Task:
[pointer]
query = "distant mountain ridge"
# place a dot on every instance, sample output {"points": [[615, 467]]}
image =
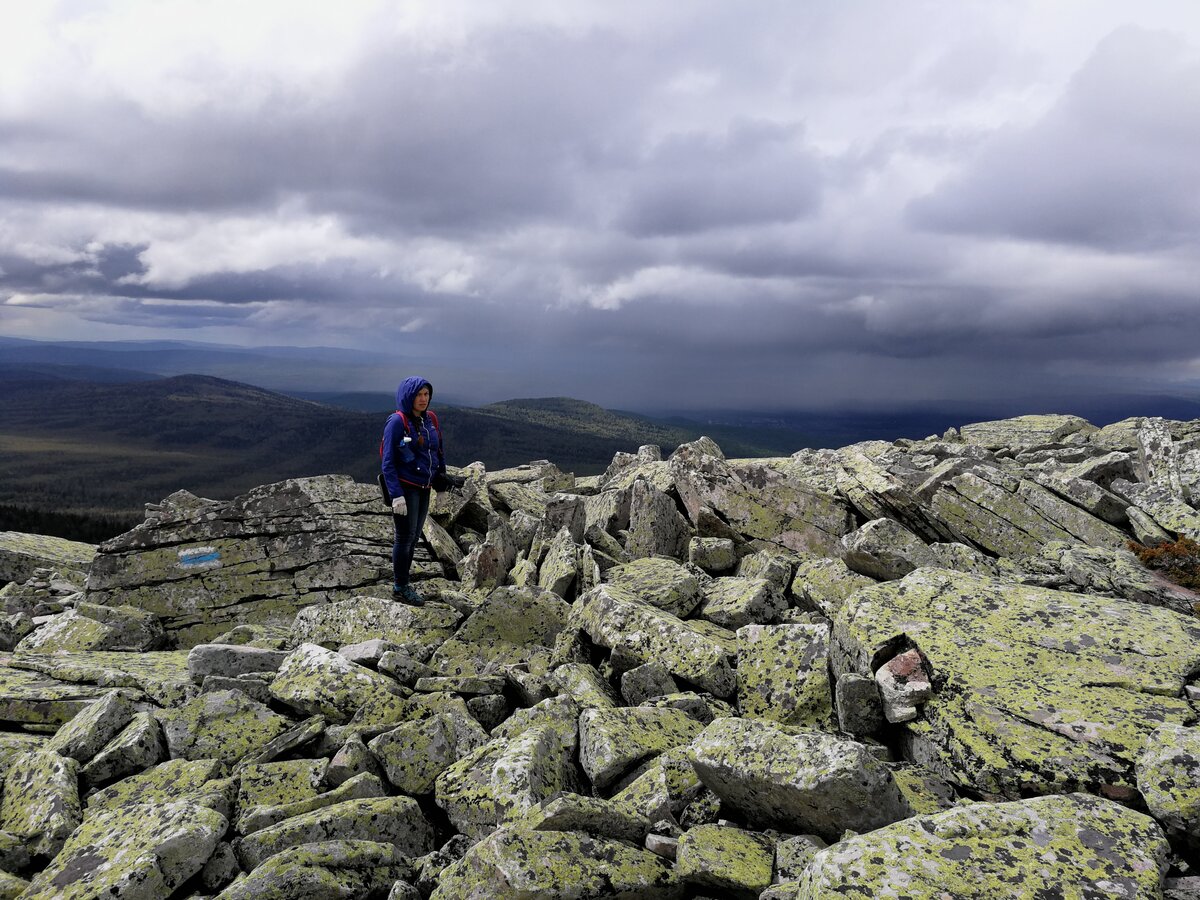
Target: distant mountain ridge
{"points": [[85, 448]]}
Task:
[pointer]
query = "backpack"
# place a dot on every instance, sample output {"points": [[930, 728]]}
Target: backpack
{"points": [[404, 421]]}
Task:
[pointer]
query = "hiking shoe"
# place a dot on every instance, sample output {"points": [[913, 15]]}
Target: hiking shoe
{"points": [[412, 597]]}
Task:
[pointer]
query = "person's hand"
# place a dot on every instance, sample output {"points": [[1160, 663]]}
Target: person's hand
{"points": [[399, 507]]}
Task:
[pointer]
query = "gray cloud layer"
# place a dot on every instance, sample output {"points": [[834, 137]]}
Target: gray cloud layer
{"points": [[779, 205]]}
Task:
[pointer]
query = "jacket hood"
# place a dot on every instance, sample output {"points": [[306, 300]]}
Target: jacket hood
{"points": [[408, 390]]}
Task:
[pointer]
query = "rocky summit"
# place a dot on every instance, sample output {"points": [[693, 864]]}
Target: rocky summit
{"points": [[919, 669]]}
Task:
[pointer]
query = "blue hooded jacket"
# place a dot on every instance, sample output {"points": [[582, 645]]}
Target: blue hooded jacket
{"points": [[413, 463]]}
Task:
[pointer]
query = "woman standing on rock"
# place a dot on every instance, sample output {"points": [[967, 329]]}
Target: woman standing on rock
{"points": [[412, 459]]}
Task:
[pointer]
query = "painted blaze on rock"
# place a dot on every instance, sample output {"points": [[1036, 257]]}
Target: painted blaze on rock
{"points": [[1037, 691]]}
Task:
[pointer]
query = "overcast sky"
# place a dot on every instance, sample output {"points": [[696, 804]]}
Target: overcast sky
{"points": [[834, 205]]}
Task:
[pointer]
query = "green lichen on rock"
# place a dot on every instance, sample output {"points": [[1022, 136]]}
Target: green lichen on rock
{"points": [[21, 553], [1025, 431], [516, 862], [87, 733], [732, 602], [318, 681], [392, 820], [41, 800], [278, 783], [1068, 846], [699, 652], [796, 780], [160, 675], [326, 869], [414, 754], [174, 779], [611, 741], [1168, 777], [590, 815], [512, 626], [503, 779], [357, 788], [730, 861], [363, 618], [225, 725], [1039, 691], [825, 583], [783, 674], [143, 850], [138, 746], [662, 791], [660, 582], [67, 632]]}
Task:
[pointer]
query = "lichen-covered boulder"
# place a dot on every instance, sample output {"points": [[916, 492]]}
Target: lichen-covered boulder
{"points": [[278, 783], [560, 565], [664, 789], [137, 747], [391, 820], [1073, 845], [759, 502], [645, 681], [204, 566], [656, 527], [885, 550], [877, 493], [660, 582], [585, 685], [713, 555], [590, 815], [732, 602], [326, 870], [335, 625], [1039, 691], [87, 733], [1097, 570], [1014, 517], [797, 781], [256, 818], [1025, 431], [783, 674], [134, 852], [231, 660], [486, 566], [503, 779], [730, 862], [159, 675], [41, 800], [824, 583], [512, 626], [611, 741], [174, 779], [225, 725], [318, 681], [556, 865], [21, 554], [695, 651], [414, 754], [1168, 777]]}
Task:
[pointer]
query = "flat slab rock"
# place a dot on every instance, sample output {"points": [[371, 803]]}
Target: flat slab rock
{"points": [[21, 553], [515, 862], [1073, 845], [1037, 691]]}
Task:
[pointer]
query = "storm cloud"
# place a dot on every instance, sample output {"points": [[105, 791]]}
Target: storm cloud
{"points": [[776, 205]]}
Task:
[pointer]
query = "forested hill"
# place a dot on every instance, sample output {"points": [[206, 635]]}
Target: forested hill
{"points": [[85, 448]]}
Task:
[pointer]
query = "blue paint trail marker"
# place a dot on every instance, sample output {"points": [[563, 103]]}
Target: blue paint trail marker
{"points": [[199, 558]]}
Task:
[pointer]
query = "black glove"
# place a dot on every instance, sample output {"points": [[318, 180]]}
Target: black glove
{"points": [[443, 482]]}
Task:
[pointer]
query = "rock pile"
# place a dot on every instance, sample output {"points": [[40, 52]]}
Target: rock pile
{"points": [[922, 669]]}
